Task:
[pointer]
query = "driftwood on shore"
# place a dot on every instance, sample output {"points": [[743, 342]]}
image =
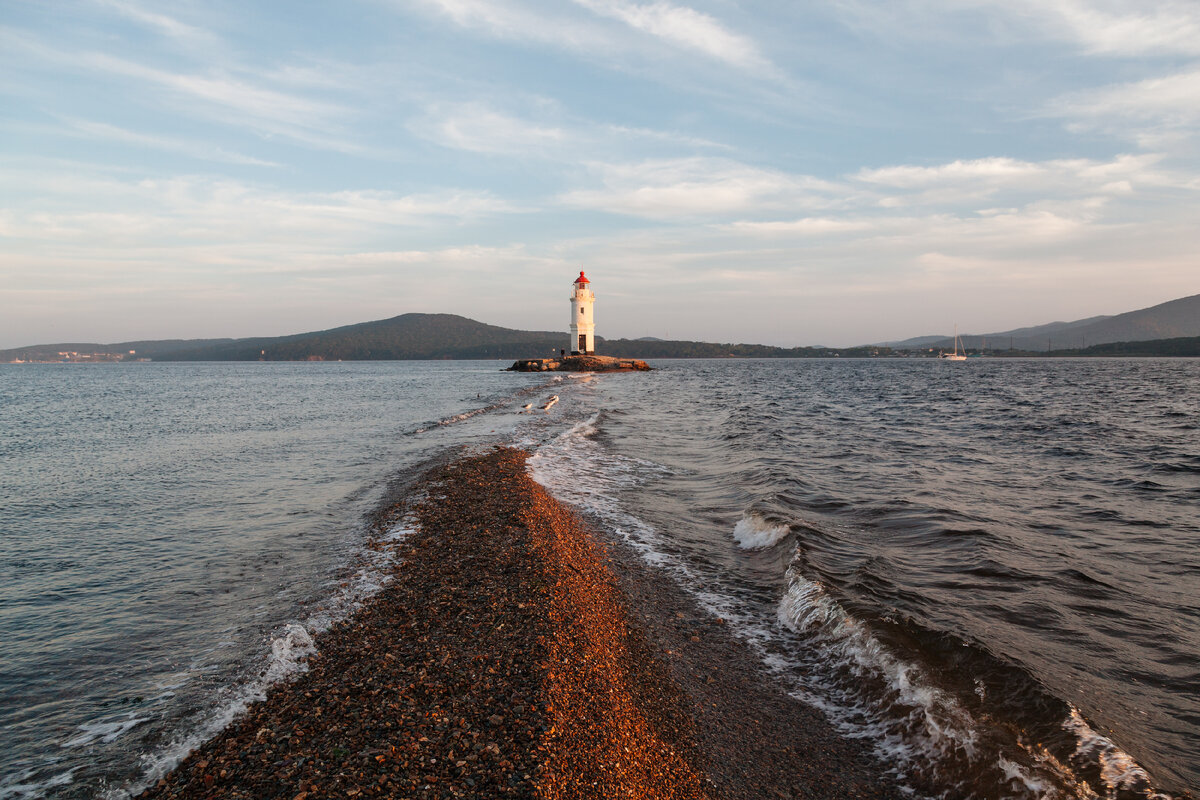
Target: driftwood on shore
{"points": [[515, 655], [579, 364]]}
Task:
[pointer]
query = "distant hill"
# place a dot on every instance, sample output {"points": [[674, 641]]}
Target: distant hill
{"points": [[1170, 320], [417, 337], [1183, 346], [406, 337], [449, 336], [660, 348], [154, 349]]}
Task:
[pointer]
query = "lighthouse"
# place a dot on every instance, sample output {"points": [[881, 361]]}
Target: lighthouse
{"points": [[583, 324]]}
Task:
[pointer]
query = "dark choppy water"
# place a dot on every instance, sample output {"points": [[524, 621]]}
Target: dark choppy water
{"points": [[989, 569]]}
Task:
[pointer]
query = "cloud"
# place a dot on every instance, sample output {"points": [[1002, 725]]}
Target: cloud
{"points": [[966, 184], [683, 27], [161, 23], [716, 189], [179, 213], [286, 111], [806, 226], [696, 187], [1121, 28], [480, 129], [502, 19], [1153, 112], [594, 37], [1116, 27], [992, 170], [187, 147], [265, 110]]}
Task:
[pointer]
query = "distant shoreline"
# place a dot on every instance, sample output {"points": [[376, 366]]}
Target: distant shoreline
{"points": [[1017, 355]]}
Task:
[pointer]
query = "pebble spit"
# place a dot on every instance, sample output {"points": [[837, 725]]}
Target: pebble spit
{"points": [[504, 660]]}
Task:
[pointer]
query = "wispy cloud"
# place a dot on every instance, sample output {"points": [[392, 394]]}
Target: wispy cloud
{"points": [[696, 187], [805, 226], [282, 111], [227, 98], [967, 184], [92, 130], [548, 134], [506, 19], [1115, 27], [594, 36], [683, 27], [1125, 28], [1152, 112], [702, 188], [162, 24], [482, 129], [182, 211]]}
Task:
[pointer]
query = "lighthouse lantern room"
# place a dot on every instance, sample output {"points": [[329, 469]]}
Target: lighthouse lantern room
{"points": [[583, 324]]}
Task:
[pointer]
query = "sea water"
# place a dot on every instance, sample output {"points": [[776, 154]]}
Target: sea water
{"points": [[172, 535], [986, 570]]}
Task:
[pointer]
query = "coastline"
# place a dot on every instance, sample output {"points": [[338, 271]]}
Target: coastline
{"points": [[516, 653]]}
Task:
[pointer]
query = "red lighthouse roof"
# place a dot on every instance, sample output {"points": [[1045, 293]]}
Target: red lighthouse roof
{"points": [[582, 278]]}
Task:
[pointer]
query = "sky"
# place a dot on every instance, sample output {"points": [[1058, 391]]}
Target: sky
{"points": [[826, 172]]}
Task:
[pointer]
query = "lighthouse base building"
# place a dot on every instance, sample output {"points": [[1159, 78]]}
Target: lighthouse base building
{"points": [[583, 324]]}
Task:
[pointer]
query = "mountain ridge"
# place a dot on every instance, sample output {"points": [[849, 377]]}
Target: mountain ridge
{"points": [[1170, 320], [424, 336]]}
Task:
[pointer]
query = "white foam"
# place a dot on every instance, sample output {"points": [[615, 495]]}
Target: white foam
{"points": [[753, 532], [105, 731], [290, 648], [1119, 771], [915, 725], [32, 790]]}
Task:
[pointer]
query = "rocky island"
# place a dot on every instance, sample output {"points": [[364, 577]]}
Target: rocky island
{"points": [[579, 363]]}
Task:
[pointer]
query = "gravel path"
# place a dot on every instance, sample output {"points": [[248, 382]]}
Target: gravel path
{"points": [[514, 655]]}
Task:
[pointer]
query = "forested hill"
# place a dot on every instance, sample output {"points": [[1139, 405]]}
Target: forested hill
{"points": [[1186, 346], [660, 348], [408, 336], [448, 336], [411, 337]]}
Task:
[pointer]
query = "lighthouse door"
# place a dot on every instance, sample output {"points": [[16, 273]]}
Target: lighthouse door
{"points": [[582, 343]]}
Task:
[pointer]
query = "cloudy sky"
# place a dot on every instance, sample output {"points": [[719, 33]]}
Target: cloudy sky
{"points": [[820, 172]]}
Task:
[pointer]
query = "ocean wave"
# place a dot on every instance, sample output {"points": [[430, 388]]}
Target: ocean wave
{"points": [[1119, 772], [754, 532], [869, 692]]}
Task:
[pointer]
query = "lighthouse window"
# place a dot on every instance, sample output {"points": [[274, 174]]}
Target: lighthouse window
{"points": [[580, 310]]}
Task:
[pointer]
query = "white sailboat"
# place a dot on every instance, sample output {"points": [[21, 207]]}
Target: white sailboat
{"points": [[955, 356]]}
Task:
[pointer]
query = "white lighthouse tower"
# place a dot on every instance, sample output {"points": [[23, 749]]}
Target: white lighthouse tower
{"points": [[583, 324]]}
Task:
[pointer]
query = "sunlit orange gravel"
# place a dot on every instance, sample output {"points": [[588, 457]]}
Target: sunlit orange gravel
{"points": [[603, 743], [499, 662]]}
